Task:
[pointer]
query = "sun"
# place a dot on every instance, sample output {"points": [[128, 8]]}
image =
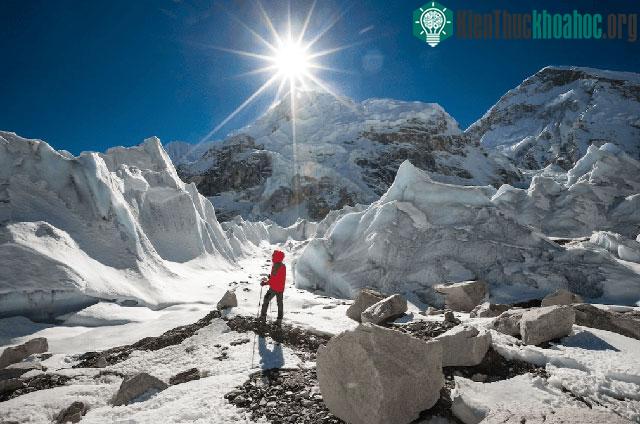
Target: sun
{"points": [[292, 61]]}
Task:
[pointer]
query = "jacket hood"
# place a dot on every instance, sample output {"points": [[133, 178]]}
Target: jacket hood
{"points": [[278, 256]]}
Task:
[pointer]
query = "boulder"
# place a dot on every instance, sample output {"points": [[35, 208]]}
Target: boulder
{"points": [[72, 414], [14, 354], [432, 311], [464, 296], [561, 297], [542, 324], [554, 416], [185, 376], [17, 369], [464, 346], [450, 317], [509, 322], [365, 298], [375, 375], [229, 300], [488, 310], [10, 384], [386, 309], [136, 386], [625, 324]]}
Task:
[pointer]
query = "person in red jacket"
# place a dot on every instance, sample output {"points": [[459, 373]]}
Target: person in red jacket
{"points": [[276, 282]]}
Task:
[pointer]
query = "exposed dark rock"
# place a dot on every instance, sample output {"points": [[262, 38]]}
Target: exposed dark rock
{"points": [[283, 396], [185, 376], [73, 413], [118, 354], [304, 342], [138, 386], [531, 303], [33, 384], [424, 330], [239, 164], [14, 354], [627, 324]]}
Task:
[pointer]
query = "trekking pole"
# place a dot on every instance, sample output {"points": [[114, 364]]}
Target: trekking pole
{"points": [[253, 350]]}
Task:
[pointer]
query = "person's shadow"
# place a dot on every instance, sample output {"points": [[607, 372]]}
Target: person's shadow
{"points": [[270, 358]]}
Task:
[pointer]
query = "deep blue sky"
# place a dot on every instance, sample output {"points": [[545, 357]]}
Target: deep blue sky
{"points": [[86, 75]]}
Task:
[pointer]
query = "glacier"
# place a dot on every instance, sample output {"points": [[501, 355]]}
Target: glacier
{"points": [[113, 226], [423, 232]]}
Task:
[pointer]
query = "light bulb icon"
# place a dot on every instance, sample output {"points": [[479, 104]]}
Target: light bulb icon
{"points": [[432, 22]]}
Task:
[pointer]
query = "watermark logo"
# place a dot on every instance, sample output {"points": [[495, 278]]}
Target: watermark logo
{"points": [[433, 23]]}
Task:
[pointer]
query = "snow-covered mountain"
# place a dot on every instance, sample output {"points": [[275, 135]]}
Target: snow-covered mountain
{"points": [[345, 153], [556, 114], [115, 226], [422, 233]]}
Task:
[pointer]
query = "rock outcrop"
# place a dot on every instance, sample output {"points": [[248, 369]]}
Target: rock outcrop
{"points": [[345, 152], [374, 375], [553, 116]]}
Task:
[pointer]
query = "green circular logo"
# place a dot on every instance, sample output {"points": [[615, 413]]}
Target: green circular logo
{"points": [[433, 23]]}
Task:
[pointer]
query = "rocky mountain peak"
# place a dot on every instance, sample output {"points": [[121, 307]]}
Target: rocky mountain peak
{"points": [[553, 116]]}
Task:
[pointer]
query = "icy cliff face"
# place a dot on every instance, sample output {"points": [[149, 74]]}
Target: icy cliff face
{"points": [[422, 232], [73, 229], [556, 114], [345, 153], [601, 192]]}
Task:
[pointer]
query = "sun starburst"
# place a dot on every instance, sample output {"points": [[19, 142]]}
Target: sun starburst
{"points": [[290, 61]]}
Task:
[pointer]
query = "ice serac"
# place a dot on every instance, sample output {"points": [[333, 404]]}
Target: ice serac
{"points": [[346, 152], [422, 233], [97, 226], [600, 192], [552, 117]]}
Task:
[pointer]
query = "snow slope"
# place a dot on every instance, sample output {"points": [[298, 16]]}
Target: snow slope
{"points": [[112, 226], [344, 153], [601, 367], [556, 114], [422, 232]]}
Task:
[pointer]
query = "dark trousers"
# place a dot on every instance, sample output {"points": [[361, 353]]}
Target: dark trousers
{"points": [[267, 298]]}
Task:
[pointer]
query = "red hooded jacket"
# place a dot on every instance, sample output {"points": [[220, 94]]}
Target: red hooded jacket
{"points": [[278, 272]]}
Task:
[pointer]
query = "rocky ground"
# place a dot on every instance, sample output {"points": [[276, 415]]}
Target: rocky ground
{"points": [[288, 393], [120, 353], [293, 395]]}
